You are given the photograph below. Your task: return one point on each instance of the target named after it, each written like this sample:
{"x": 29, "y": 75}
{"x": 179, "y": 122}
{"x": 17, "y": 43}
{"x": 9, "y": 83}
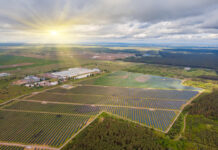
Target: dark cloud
{"x": 109, "y": 18}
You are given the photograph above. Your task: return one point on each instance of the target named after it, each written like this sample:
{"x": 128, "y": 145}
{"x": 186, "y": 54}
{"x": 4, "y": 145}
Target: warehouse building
{"x": 74, "y": 72}
{"x": 4, "y": 74}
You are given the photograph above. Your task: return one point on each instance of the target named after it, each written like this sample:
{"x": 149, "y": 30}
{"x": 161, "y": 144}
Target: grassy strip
{"x": 177, "y": 127}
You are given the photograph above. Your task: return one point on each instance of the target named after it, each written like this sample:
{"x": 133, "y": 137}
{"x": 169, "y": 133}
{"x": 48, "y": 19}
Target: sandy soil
{"x": 15, "y": 65}
{"x": 142, "y": 78}
{"x": 124, "y": 77}
{"x": 109, "y": 56}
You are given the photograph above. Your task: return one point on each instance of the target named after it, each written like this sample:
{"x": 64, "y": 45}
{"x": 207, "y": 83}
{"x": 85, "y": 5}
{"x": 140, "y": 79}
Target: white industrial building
{"x": 82, "y": 76}
{"x": 31, "y": 79}
{"x": 4, "y": 74}
{"x": 74, "y": 72}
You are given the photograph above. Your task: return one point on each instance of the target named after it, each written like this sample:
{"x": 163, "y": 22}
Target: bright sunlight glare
{"x": 53, "y": 32}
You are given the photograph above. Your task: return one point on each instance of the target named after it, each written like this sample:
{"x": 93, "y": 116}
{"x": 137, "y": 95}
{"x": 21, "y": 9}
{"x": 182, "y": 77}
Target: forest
{"x": 206, "y": 105}
{"x": 181, "y": 58}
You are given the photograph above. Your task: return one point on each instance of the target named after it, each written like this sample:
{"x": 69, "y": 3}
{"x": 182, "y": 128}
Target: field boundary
{"x": 43, "y": 112}
{"x": 182, "y": 108}
{"x": 80, "y": 130}
{"x": 123, "y": 118}
{"x": 33, "y": 146}
{"x": 117, "y": 116}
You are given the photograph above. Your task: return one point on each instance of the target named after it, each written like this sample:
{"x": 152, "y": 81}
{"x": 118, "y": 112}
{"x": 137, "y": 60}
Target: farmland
{"x": 9, "y": 62}
{"x": 51, "y": 117}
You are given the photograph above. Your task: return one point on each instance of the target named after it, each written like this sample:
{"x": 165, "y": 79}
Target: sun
{"x": 54, "y": 32}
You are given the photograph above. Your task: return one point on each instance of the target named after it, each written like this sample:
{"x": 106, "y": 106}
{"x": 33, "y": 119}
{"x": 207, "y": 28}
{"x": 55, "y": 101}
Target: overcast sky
{"x": 144, "y": 21}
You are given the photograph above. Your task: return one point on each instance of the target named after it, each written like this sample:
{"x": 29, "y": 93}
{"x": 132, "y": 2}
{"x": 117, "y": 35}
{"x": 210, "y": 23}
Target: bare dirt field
{"x": 109, "y": 56}
{"x": 142, "y": 78}
{"x": 15, "y": 65}
{"x": 124, "y": 77}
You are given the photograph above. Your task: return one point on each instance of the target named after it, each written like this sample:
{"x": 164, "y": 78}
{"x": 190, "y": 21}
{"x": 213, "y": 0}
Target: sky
{"x": 139, "y": 21}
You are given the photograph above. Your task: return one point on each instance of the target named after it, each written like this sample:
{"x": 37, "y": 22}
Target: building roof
{"x": 72, "y": 72}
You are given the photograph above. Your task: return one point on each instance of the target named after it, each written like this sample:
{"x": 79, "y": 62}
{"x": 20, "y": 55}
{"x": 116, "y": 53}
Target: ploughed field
{"x": 52, "y": 117}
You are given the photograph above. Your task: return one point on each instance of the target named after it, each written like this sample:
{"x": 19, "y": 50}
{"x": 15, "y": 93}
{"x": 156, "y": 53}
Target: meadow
{"x": 11, "y": 62}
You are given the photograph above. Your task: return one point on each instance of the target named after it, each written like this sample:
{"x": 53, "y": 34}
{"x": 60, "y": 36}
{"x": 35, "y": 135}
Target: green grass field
{"x": 9, "y": 91}
{"x": 138, "y": 80}
{"x": 6, "y": 60}
{"x": 170, "y": 71}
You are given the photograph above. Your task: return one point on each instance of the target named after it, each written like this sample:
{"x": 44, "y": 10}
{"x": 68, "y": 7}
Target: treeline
{"x": 172, "y": 71}
{"x": 193, "y": 50}
{"x": 177, "y": 127}
{"x": 108, "y": 133}
{"x": 206, "y": 105}
{"x": 208, "y": 77}
{"x": 201, "y": 123}
{"x": 201, "y": 60}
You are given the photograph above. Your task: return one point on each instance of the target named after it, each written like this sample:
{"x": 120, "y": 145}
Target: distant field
{"x": 138, "y": 80}
{"x": 39, "y": 128}
{"x": 11, "y": 61}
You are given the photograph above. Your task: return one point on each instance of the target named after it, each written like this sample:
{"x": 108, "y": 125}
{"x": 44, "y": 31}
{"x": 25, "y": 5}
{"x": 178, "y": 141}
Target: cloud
{"x": 128, "y": 20}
